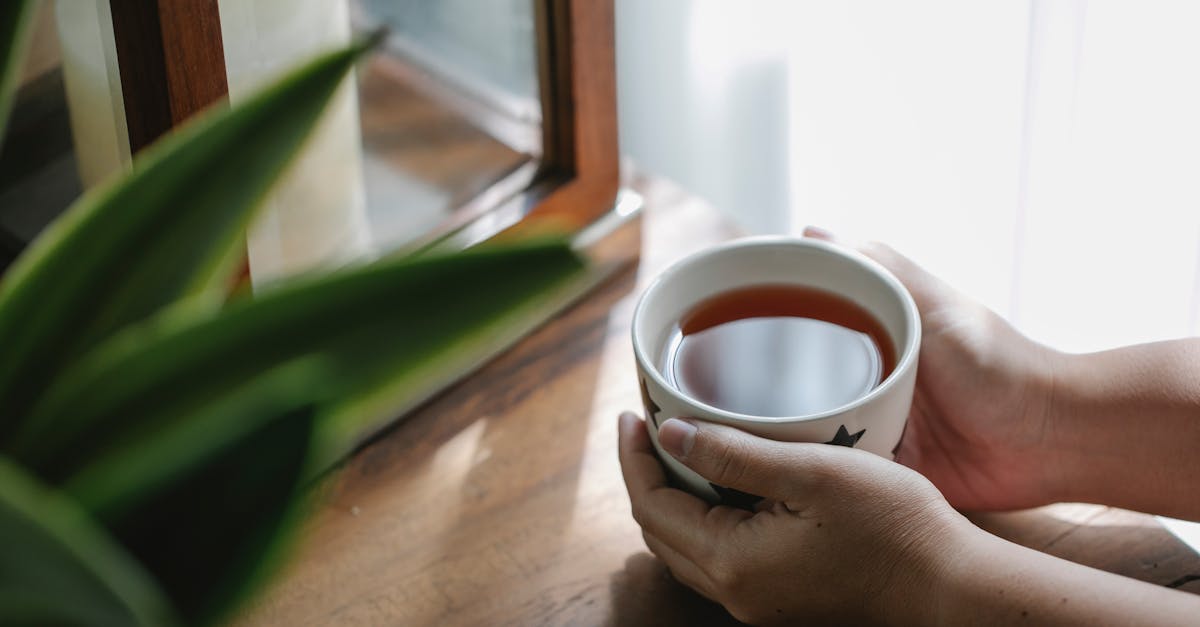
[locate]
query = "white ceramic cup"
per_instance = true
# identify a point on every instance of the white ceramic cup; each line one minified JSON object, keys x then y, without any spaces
{"x":873,"y":422}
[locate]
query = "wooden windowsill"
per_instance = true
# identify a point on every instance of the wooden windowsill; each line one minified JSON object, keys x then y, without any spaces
{"x":500,"y":501}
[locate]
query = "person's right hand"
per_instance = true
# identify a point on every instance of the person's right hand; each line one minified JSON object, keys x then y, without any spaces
{"x":981,"y":425}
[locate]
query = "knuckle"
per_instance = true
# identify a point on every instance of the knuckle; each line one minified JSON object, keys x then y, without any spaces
{"x":728,"y":576}
{"x":639,"y":516}
{"x":820,"y":479}
{"x":878,"y":250}
{"x":649,"y":541}
{"x":820,"y":471}
{"x":736,"y":582}
{"x":725,"y":460}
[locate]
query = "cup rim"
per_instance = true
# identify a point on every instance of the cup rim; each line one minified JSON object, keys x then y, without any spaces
{"x":908,"y":356}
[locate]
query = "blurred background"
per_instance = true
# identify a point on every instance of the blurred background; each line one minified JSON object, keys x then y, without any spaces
{"x":1042,"y":156}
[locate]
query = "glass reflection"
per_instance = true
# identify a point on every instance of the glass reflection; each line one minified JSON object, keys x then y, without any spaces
{"x":450,"y":110}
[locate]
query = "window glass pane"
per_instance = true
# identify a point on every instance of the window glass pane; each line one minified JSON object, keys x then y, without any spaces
{"x":450,"y":110}
{"x":492,"y":43}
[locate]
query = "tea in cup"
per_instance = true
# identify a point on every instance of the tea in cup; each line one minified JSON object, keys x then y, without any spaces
{"x":790,"y":339}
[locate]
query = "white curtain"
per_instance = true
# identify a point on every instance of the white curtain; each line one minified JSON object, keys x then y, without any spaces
{"x":1043,"y":156}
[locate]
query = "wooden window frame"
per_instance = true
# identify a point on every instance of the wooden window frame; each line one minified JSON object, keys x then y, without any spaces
{"x":579,"y":105}
{"x":574,"y":183}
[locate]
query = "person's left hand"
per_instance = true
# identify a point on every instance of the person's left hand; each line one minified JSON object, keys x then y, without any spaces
{"x":843,"y":537}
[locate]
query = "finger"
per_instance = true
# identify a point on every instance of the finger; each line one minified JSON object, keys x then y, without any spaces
{"x":735,"y":459}
{"x":639,"y":464}
{"x":682,"y":569}
{"x":685,"y":522}
{"x":927,"y":290}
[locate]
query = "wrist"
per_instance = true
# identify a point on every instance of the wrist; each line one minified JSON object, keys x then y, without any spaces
{"x":1039,"y":448}
{"x":945,"y":545}
{"x":1059,"y":381}
{"x":1068,"y":426}
{"x":961,"y":569}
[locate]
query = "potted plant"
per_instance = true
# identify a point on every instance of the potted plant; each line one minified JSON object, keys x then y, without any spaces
{"x":157,"y":434}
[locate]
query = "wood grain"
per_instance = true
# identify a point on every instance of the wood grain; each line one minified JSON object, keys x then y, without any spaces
{"x":195,"y":55}
{"x":172,"y":63}
{"x":501,"y":502}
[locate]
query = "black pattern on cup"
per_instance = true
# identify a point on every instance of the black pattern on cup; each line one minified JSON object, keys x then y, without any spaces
{"x":652,"y":408}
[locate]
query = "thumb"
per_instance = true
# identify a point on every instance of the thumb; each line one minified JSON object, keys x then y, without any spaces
{"x":735,"y":459}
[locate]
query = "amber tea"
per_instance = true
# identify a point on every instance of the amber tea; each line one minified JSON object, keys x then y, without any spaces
{"x":777,"y":350}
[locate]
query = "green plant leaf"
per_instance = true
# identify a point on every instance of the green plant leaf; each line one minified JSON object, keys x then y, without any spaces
{"x":212,"y":534}
{"x":164,"y":232}
{"x":208,"y":500}
{"x":57,"y":567}
{"x":157,"y":453}
{"x":15,"y":16}
{"x":373,"y":326}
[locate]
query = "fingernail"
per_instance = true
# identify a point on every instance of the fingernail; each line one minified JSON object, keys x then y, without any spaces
{"x":625,"y":422}
{"x":677,"y":436}
{"x":817,"y":232}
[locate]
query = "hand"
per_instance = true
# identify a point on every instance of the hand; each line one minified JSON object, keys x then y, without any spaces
{"x":981,"y":424}
{"x":845,"y":536}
